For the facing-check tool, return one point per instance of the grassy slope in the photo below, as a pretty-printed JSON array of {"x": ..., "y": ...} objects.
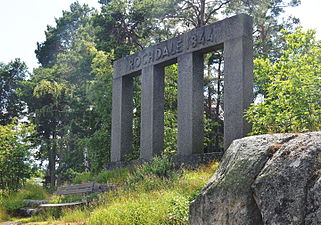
[{"x": 143, "y": 198}]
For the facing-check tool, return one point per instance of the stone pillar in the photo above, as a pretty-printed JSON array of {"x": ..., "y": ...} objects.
[
  {"x": 152, "y": 118},
  {"x": 190, "y": 103},
  {"x": 122, "y": 118},
  {"x": 238, "y": 87}
]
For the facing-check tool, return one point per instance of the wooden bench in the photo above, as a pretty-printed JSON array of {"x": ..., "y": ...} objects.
[{"x": 84, "y": 189}]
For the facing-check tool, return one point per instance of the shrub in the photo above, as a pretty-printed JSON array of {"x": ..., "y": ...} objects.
[
  {"x": 160, "y": 166},
  {"x": 15, "y": 163},
  {"x": 291, "y": 88},
  {"x": 116, "y": 176}
]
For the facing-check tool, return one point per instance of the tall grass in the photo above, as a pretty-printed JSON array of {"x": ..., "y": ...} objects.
[
  {"x": 117, "y": 176},
  {"x": 153, "y": 200},
  {"x": 11, "y": 202},
  {"x": 156, "y": 207},
  {"x": 154, "y": 193},
  {"x": 77, "y": 215},
  {"x": 3, "y": 214}
]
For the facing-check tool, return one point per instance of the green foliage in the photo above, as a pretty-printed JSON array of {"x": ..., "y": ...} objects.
[
  {"x": 60, "y": 38},
  {"x": 268, "y": 19},
  {"x": 77, "y": 215},
  {"x": 69, "y": 98},
  {"x": 152, "y": 200},
  {"x": 15, "y": 163},
  {"x": 127, "y": 26},
  {"x": 83, "y": 177},
  {"x": 211, "y": 128},
  {"x": 14, "y": 200},
  {"x": 160, "y": 166},
  {"x": 4, "y": 216},
  {"x": 144, "y": 208},
  {"x": 178, "y": 210},
  {"x": 117, "y": 176},
  {"x": 170, "y": 133},
  {"x": 12, "y": 76},
  {"x": 291, "y": 88},
  {"x": 165, "y": 203},
  {"x": 136, "y": 121},
  {"x": 87, "y": 131},
  {"x": 170, "y": 114}
]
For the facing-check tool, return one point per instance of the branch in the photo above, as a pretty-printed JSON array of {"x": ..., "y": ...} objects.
[
  {"x": 216, "y": 9},
  {"x": 196, "y": 9}
]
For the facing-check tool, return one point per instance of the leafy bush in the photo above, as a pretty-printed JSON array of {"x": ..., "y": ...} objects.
[
  {"x": 15, "y": 163},
  {"x": 170, "y": 133},
  {"x": 160, "y": 166},
  {"x": 291, "y": 88}
]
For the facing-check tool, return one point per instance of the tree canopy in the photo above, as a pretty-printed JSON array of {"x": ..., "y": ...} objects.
[
  {"x": 11, "y": 77},
  {"x": 291, "y": 87}
]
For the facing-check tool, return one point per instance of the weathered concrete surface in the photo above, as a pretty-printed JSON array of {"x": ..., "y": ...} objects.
[
  {"x": 34, "y": 203},
  {"x": 152, "y": 116},
  {"x": 266, "y": 179},
  {"x": 190, "y": 104},
  {"x": 122, "y": 118},
  {"x": 186, "y": 161},
  {"x": 234, "y": 34},
  {"x": 11, "y": 223},
  {"x": 238, "y": 61},
  {"x": 204, "y": 39}
]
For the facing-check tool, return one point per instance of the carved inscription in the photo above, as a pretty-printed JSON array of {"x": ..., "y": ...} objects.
[
  {"x": 201, "y": 37},
  {"x": 188, "y": 42},
  {"x": 160, "y": 52}
]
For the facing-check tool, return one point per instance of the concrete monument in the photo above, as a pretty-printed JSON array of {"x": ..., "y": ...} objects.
[{"x": 234, "y": 35}]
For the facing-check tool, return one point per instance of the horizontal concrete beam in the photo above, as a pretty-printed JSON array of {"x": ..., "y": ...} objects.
[{"x": 202, "y": 39}]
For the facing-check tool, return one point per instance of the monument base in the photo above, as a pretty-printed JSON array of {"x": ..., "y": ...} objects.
[{"x": 189, "y": 161}]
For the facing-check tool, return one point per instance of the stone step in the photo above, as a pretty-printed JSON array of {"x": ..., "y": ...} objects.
[{"x": 27, "y": 212}]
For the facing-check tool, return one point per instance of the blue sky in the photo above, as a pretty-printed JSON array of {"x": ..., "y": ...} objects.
[{"x": 23, "y": 23}]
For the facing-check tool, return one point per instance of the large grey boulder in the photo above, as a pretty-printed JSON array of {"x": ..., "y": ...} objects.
[{"x": 268, "y": 179}]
